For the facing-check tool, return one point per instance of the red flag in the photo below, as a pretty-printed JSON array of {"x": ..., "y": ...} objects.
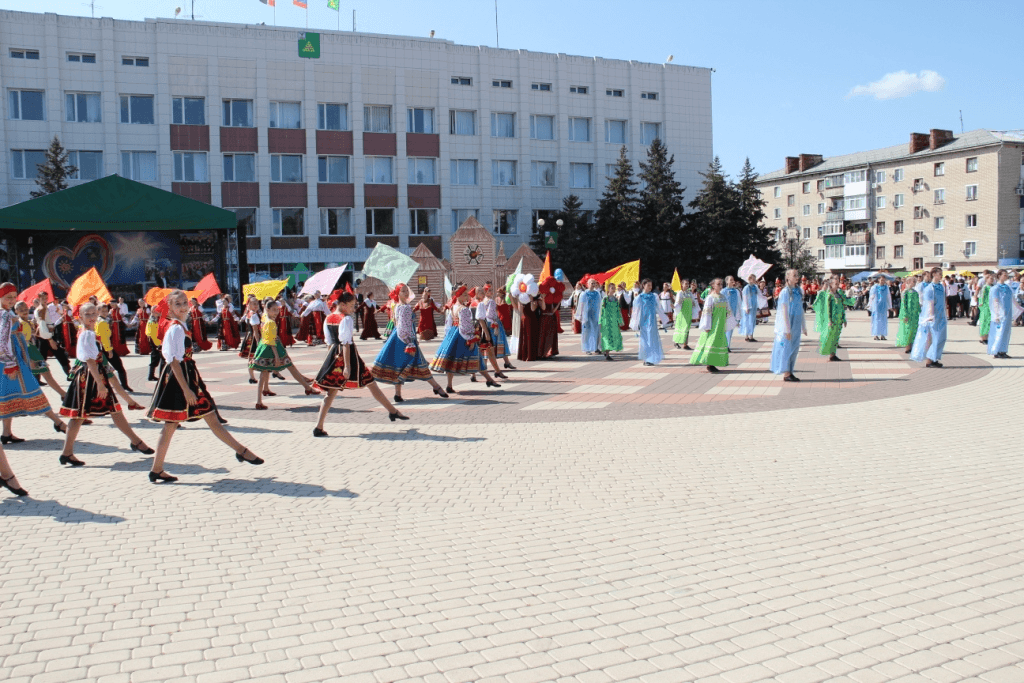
[
  {"x": 268, "y": 2},
  {"x": 206, "y": 288},
  {"x": 348, "y": 288},
  {"x": 299, "y": 3},
  {"x": 29, "y": 295}
]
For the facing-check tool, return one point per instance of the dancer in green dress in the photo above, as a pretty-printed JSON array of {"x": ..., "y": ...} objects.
[
  {"x": 611, "y": 323},
  {"x": 984, "y": 308},
  {"x": 686, "y": 309},
  {"x": 835, "y": 315},
  {"x": 910, "y": 311},
  {"x": 716, "y": 319}
]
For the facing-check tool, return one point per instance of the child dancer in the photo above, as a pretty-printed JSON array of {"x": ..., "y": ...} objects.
[
  {"x": 35, "y": 356},
  {"x": 251, "y": 318},
  {"x": 458, "y": 353},
  {"x": 270, "y": 356},
  {"x": 400, "y": 359},
  {"x": 611, "y": 323}
]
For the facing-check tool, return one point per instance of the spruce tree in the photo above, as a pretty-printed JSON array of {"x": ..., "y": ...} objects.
[
  {"x": 573, "y": 254},
  {"x": 715, "y": 224},
  {"x": 661, "y": 216},
  {"x": 760, "y": 238},
  {"x": 613, "y": 238},
  {"x": 53, "y": 175}
]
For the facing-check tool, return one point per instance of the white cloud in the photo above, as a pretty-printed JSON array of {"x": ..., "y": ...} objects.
[{"x": 900, "y": 84}]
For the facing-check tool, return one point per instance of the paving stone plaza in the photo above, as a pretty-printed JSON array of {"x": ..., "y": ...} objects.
[{"x": 586, "y": 522}]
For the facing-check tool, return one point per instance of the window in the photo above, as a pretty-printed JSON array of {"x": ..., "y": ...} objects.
[
  {"x": 821, "y": 254},
  {"x": 190, "y": 167},
  {"x": 880, "y": 253},
  {"x": 972, "y": 220},
  {"x": 806, "y": 188},
  {"x": 422, "y": 171},
  {"x": 918, "y": 185},
  {"x": 649, "y": 132},
  {"x": 832, "y": 228},
  {"x": 240, "y": 168},
  {"x": 857, "y": 250},
  {"x": 26, "y": 162},
  {"x": 286, "y": 115},
  {"x": 970, "y": 248},
  {"x": 286, "y": 168},
  {"x": 879, "y": 177},
  {"x": 880, "y": 201},
  {"x": 778, "y": 213},
  {"x": 854, "y": 203},
  {"x": 821, "y": 185},
  {"x": 378, "y": 170},
  {"x": 189, "y": 111},
  {"x": 503, "y": 172},
  {"x": 139, "y": 166},
  {"x": 422, "y": 221},
  {"x": 377, "y": 119},
  {"x": 134, "y": 61},
  {"x": 821, "y": 208},
  {"x": 790, "y": 222},
  {"x": 245, "y": 219},
  {"x": 463, "y": 172},
  {"x": 972, "y": 193},
  {"x": 24, "y": 54},
  {"x": 26, "y": 105},
  {"x": 89, "y": 165},
  {"x": 542, "y": 173},
  {"x": 82, "y": 107},
  {"x": 609, "y": 170},
  {"x": 821, "y": 231},
  {"x": 581, "y": 175},
  {"x": 880, "y": 228},
  {"x": 940, "y": 196},
  {"x": 421, "y": 121},
  {"x": 380, "y": 221},
  {"x": 335, "y": 221},
  {"x": 897, "y": 251},
  {"x": 918, "y": 263},
  {"x": 972, "y": 164},
  {"x": 460, "y": 216},
  {"x": 503, "y": 125},
  {"x": 897, "y": 227},
  {"x": 137, "y": 109},
  {"x": 897, "y": 201},
  {"x": 505, "y": 221},
  {"x": 542, "y": 127},
  {"x": 648, "y": 96},
  {"x": 940, "y": 223},
  {"x": 332, "y": 169},
  {"x": 237, "y": 114},
  {"x": 854, "y": 177},
  {"x": 897, "y": 175},
  {"x": 501, "y": 84},
  {"x": 791, "y": 200},
  {"x": 615, "y": 132},
  {"x": 81, "y": 57},
  {"x": 461, "y": 80},
  {"x": 939, "y": 249},
  {"x": 289, "y": 222},
  {"x": 807, "y": 233},
  {"x": 778, "y": 191},
  {"x": 579, "y": 89},
  {"x": 807, "y": 209},
  {"x": 613, "y": 93},
  {"x": 543, "y": 87},
  {"x": 940, "y": 168},
  {"x": 331, "y": 116},
  {"x": 918, "y": 237},
  {"x": 833, "y": 251},
  {"x": 461, "y": 122},
  {"x": 579, "y": 129}
]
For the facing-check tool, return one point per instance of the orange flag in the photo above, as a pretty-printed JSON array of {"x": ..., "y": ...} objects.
[
  {"x": 156, "y": 294},
  {"x": 545, "y": 272},
  {"x": 206, "y": 288},
  {"x": 89, "y": 284}
]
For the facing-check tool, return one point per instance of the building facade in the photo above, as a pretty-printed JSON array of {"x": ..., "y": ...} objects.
[
  {"x": 955, "y": 201},
  {"x": 380, "y": 139}
]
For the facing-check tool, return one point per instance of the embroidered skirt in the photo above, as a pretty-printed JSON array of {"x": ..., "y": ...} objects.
[
  {"x": 169, "y": 404},
  {"x": 332, "y": 372},
  {"x": 263, "y": 358},
  {"x": 83, "y": 399},
  {"x": 395, "y": 365}
]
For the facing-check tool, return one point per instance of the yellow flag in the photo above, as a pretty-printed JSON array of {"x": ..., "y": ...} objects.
[
  {"x": 627, "y": 272},
  {"x": 261, "y": 290},
  {"x": 676, "y": 284}
]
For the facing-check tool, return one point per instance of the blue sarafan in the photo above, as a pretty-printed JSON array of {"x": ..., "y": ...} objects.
[
  {"x": 789, "y": 320},
  {"x": 645, "y": 322},
  {"x": 1001, "y": 306},
  {"x": 931, "y": 327},
  {"x": 589, "y": 313},
  {"x": 879, "y": 303}
]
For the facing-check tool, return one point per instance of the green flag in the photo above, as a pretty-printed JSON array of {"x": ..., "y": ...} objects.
[
  {"x": 334, "y": 5},
  {"x": 309, "y": 45},
  {"x": 389, "y": 265}
]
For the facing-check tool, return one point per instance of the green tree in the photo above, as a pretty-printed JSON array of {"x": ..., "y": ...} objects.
[
  {"x": 716, "y": 226},
  {"x": 796, "y": 254},
  {"x": 760, "y": 238},
  {"x": 53, "y": 175},
  {"x": 661, "y": 237},
  {"x": 613, "y": 236}
]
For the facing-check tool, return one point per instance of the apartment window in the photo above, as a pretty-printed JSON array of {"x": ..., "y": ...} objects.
[
  {"x": 189, "y": 111},
  {"x": 505, "y": 221},
  {"x": 807, "y": 233},
  {"x": 139, "y": 166},
  {"x": 542, "y": 127},
  {"x": 778, "y": 213},
  {"x": 422, "y": 221},
  {"x": 806, "y": 188},
  {"x": 918, "y": 263},
  {"x": 615, "y": 132},
  {"x": 855, "y": 203},
  {"x": 237, "y": 114},
  {"x": 26, "y": 162},
  {"x": 833, "y": 251},
  {"x": 134, "y": 61},
  {"x": 940, "y": 168},
  {"x": 332, "y": 169},
  {"x": 82, "y": 107},
  {"x": 286, "y": 168},
  {"x": 461, "y": 80},
  {"x": 335, "y": 221},
  {"x": 821, "y": 254},
  {"x": 137, "y": 109},
  {"x": 972, "y": 164},
  {"x": 880, "y": 253},
  {"x": 897, "y": 201},
  {"x": 970, "y": 248},
  {"x": 613, "y": 93},
  {"x": 649, "y": 132},
  {"x": 918, "y": 237},
  {"x": 460, "y": 216},
  {"x": 821, "y": 208},
  {"x": 940, "y": 223},
  {"x": 879, "y": 177},
  {"x": 24, "y": 54},
  {"x": 421, "y": 121},
  {"x": 940, "y": 196},
  {"x": 880, "y": 228},
  {"x": 897, "y": 227},
  {"x": 791, "y": 200},
  {"x": 821, "y": 231},
  {"x": 503, "y": 125},
  {"x": 286, "y": 115},
  {"x": 543, "y": 87},
  {"x": 377, "y": 118},
  {"x": 240, "y": 168},
  {"x": 579, "y": 129},
  {"x": 648, "y": 96},
  {"x": 542, "y": 173},
  {"x": 82, "y": 57},
  {"x": 26, "y": 105},
  {"x": 331, "y": 116},
  {"x": 463, "y": 172},
  {"x": 501, "y": 84},
  {"x": 918, "y": 184},
  {"x": 790, "y": 222},
  {"x": 579, "y": 89},
  {"x": 461, "y": 122},
  {"x": 289, "y": 222},
  {"x": 380, "y": 221},
  {"x": 503, "y": 172},
  {"x": 191, "y": 167},
  {"x": 422, "y": 171},
  {"x": 581, "y": 175},
  {"x": 778, "y": 191},
  {"x": 972, "y": 193},
  {"x": 821, "y": 185},
  {"x": 832, "y": 228},
  {"x": 972, "y": 220},
  {"x": 857, "y": 250},
  {"x": 807, "y": 209},
  {"x": 897, "y": 251},
  {"x": 880, "y": 202},
  {"x": 245, "y": 219},
  {"x": 89, "y": 165},
  {"x": 939, "y": 249},
  {"x": 897, "y": 175},
  {"x": 609, "y": 171},
  {"x": 378, "y": 170}
]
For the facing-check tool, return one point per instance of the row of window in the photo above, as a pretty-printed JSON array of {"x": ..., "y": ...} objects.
[
  {"x": 879, "y": 178},
  {"x": 333, "y": 222},
  {"x": 546, "y": 87},
  {"x": 79, "y": 57},
  {"x": 833, "y": 251},
  {"x": 881, "y": 201},
  {"x": 830, "y": 228}
]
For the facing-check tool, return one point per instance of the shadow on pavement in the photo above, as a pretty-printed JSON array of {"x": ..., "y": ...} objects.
[
  {"x": 278, "y": 488},
  {"x": 28, "y": 507},
  {"x": 415, "y": 434},
  {"x": 145, "y": 465}
]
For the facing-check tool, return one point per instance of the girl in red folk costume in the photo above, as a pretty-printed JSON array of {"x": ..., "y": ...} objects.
[
  {"x": 180, "y": 394},
  {"x": 90, "y": 393},
  {"x": 458, "y": 353},
  {"x": 284, "y": 327},
  {"x": 343, "y": 368},
  {"x": 492, "y": 337},
  {"x": 198, "y": 327},
  {"x": 228, "y": 336},
  {"x": 370, "y": 328},
  {"x": 142, "y": 343},
  {"x": 400, "y": 359},
  {"x": 270, "y": 356},
  {"x": 427, "y": 327},
  {"x": 251, "y": 317},
  {"x": 118, "y": 330}
]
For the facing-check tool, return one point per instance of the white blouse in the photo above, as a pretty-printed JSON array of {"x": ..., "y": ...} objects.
[
  {"x": 87, "y": 348},
  {"x": 345, "y": 328},
  {"x": 174, "y": 343}
]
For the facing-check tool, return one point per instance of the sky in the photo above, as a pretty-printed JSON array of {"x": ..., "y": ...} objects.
[{"x": 790, "y": 77}]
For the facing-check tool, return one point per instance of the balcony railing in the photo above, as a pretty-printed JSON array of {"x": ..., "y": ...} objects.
[
  {"x": 834, "y": 181},
  {"x": 835, "y": 215}
]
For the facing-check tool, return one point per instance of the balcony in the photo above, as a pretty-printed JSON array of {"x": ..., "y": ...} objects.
[
  {"x": 832, "y": 192},
  {"x": 836, "y": 215},
  {"x": 858, "y": 237},
  {"x": 857, "y": 256}
]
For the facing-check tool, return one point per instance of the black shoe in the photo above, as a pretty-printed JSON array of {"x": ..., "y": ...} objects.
[
  {"x": 154, "y": 477},
  {"x": 397, "y": 416},
  {"x": 509, "y": 366},
  {"x": 649, "y": 365},
  {"x": 145, "y": 451},
  {"x": 501, "y": 375},
  {"x": 790, "y": 378},
  {"x": 686, "y": 347},
  {"x": 608, "y": 357},
  {"x": 151, "y": 378},
  {"x": 219, "y": 419},
  {"x": 440, "y": 392},
  {"x": 1002, "y": 354},
  {"x": 399, "y": 399},
  {"x": 71, "y": 460},
  {"x": 753, "y": 340},
  {"x": 10, "y": 438},
  {"x": 129, "y": 390},
  {"x": 677, "y": 346},
  {"x": 278, "y": 375},
  {"x": 57, "y": 428},
  {"x": 712, "y": 368},
  {"x": 449, "y": 390},
  {"x": 493, "y": 384},
  {"x": 253, "y": 381},
  {"x": 319, "y": 432},
  {"x": 472, "y": 378},
  {"x": 834, "y": 358},
  {"x": 908, "y": 350},
  {"x": 255, "y": 461},
  {"x": 18, "y": 492}
]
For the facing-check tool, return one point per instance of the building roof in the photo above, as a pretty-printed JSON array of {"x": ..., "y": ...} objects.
[
  {"x": 969, "y": 140},
  {"x": 531, "y": 262},
  {"x": 427, "y": 259},
  {"x": 471, "y": 230}
]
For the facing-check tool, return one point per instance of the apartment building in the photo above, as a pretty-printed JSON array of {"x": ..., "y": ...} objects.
[
  {"x": 381, "y": 139},
  {"x": 955, "y": 201}
]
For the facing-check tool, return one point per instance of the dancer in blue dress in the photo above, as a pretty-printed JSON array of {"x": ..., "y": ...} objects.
[
  {"x": 588, "y": 312},
  {"x": 931, "y": 328},
  {"x": 644, "y": 321},
  {"x": 789, "y": 326},
  {"x": 1001, "y": 305},
  {"x": 879, "y": 305},
  {"x": 733, "y": 296},
  {"x": 459, "y": 353},
  {"x": 400, "y": 359},
  {"x": 748, "y": 309}
]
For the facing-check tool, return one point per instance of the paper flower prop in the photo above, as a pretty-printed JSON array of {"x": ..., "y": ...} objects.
[
  {"x": 524, "y": 287},
  {"x": 552, "y": 290}
]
